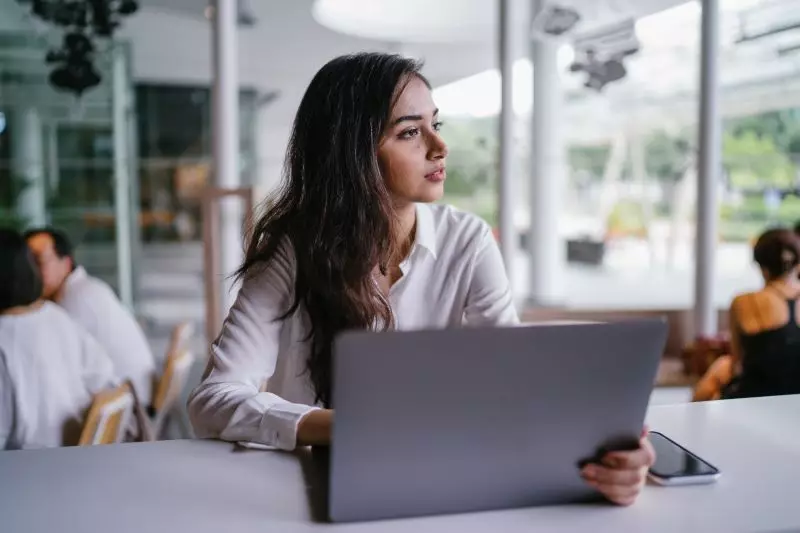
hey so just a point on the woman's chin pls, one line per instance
(432, 193)
(425, 195)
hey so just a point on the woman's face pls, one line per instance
(412, 153)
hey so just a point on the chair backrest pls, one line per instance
(171, 384)
(109, 417)
(179, 340)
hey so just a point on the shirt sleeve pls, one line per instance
(228, 404)
(98, 370)
(82, 310)
(7, 406)
(489, 298)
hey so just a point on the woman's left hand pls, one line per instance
(620, 476)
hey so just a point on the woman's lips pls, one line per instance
(436, 177)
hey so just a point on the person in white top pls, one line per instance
(49, 366)
(350, 242)
(93, 305)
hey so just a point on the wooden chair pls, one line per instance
(109, 417)
(168, 391)
(168, 386)
(181, 335)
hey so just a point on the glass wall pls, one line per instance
(65, 162)
(174, 130)
(57, 152)
(627, 217)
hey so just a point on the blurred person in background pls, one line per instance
(50, 367)
(718, 376)
(353, 240)
(765, 329)
(93, 305)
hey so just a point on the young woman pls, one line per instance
(351, 242)
(49, 367)
(765, 326)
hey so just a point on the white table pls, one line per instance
(205, 486)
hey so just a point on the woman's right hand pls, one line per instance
(315, 428)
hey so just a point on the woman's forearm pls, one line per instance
(315, 428)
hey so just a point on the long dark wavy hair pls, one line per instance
(333, 206)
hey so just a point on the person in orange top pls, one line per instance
(765, 328)
(718, 376)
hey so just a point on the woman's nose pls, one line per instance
(438, 148)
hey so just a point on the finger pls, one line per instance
(647, 447)
(630, 459)
(645, 431)
(612, 476)
(620, 495)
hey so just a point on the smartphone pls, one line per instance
(675, 465)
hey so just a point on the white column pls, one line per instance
(123, 218)
(28, 164)
(708, 170)
(547, 252)
(53, 167)
(272, 135)
(226, 138)
(508, 37)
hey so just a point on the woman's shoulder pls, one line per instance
(747, 300)
(270, 279)
(742, 302)
(46, 320)
(38, 313)
(281, 262)
(757, 310)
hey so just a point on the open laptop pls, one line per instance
(447, 421)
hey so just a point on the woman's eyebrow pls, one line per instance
(411, 118)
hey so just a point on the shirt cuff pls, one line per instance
(279, 424)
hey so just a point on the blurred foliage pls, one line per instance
(667, 156)
(755, 162)
(626, 218)
(472, 160)
(746, 220)
(782, 127)
(588, 161)
(760, 152)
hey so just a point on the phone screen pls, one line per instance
(674, 461)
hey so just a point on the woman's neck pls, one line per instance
(407, 219)
(407, 216)
(788, 285)
(23, 309)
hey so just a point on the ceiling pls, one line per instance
(662, 85)
(287, 44)
(292, 39)
(171, 43)
(281, 52)
(426, 21)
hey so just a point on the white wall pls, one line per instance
(169, 47)
(272, 134)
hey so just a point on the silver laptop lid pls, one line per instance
(447, 421)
